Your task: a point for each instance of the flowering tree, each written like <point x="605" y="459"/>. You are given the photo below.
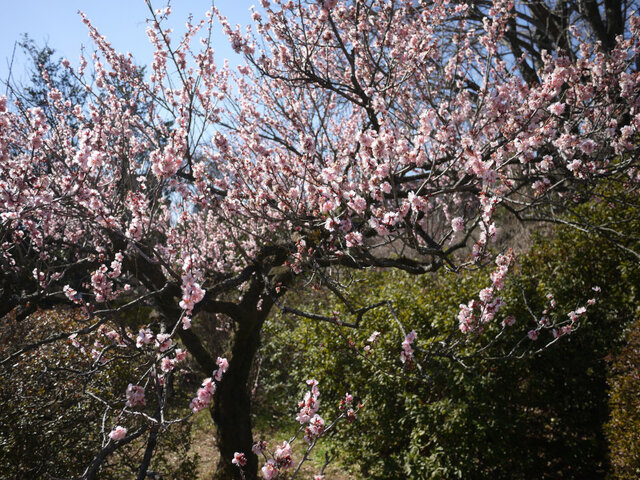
<point x="357" y="134"/>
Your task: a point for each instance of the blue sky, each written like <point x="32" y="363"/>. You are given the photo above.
<point x="122" y="22"/>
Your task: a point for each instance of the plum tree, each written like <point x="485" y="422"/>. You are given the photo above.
<point x="387" y="134"/>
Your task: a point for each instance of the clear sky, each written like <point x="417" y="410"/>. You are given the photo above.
<point x="57" y="24"/>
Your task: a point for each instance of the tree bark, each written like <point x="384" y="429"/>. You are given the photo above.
<point x="231" y="410"/>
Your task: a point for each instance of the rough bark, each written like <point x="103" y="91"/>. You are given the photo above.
<point x="231" y="410"/>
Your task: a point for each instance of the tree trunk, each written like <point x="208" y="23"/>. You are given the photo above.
<point x="231" y="410"/>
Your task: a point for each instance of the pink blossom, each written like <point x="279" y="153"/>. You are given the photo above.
<point x="330" y="224"/>
<point x="466" y="317"/>
<point x="314" y="429"/>
<point x="203" y="395"/>
<point x="259" y="447"/>
<point x="144" y="337"/>
<point x="407" y="352"/>
<point x="166" y="365"/>
<point x="101" y="285"/>
<point x="135" y="395"/>
<point x="358" y="204"/>
<point x="181" y="355"/>
<point x="373" y="338"/>
<point x="283" y="456"/>
<point x="239" y="459"/>
<point x="163" y="342"/>
<point x="533" y="335"/>
<point x="588" y="146"/>
<point x="223" y="365"/>
<point x="457" y="224"/>
<point x="118" y="433"/>
<point x="270" y="470"/>
<point x="192" y="292"/>
<point x="353" y="239"/>
<point x="486" y="294"/>
<point x="310" y="404"/>
<point x="557" y="108"/>
<point x="70" y="293"/>
<point x="574" y="165"/>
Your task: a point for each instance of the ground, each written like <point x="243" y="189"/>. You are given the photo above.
<point x="203" y="445"/>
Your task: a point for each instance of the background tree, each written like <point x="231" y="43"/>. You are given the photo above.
<point x="358" y="134"/>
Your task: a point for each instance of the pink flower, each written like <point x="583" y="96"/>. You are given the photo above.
<point x="353" y="239"/>
<point x="533" y="335"/>
<point x="373" y="338"/>
<point x="192" y="292"/>
<point x="575" y="165"/>
<point x="259" y="447"/>
<point x="135" y="395"/>
<point x="118" y="433"/>
<point x="315" y="428"/>
<point x="283" y="456"/>
<point x="166" y="365"/>
<point x="557" y="108"/>
<point x="203" y="395"/>
<point x="486" y="294"/>
<point x="588" y="146"/>
<point x="181" y="355"/>
<point x="163" y="342"/>
<point x="407" y="352"/>
<point x="308" y="407"/>
<point x="223" y="365"/>
<point x="239" y="459"/>
<point x="457" y="224"/>
<point x="144" y="337"/>
<point x="270" y="470"/>
<point x="70" y="293"/>
<point x="358" y="204"/>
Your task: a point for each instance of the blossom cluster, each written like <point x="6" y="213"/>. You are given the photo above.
<point x="135" y="396"/>
<point x="406" y="356"/>
<point x="208" y="388"/>
<point x="477" y="312"/>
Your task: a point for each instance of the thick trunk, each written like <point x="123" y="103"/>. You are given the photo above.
<point x="231" y="411"/>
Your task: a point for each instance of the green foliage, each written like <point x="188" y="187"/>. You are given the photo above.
<point x="50" y="425"/>
<point x="539" y="416"/>
<point x="623" y="428"/>
<point x="47" y="427"/>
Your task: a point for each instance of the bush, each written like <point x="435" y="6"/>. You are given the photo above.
<point x="50" y="427"/>
<point x="623" y="428"/>
<point x="540" y="416"/>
